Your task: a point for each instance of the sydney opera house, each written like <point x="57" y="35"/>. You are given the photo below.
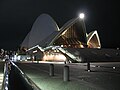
<point x="47" y="41"/>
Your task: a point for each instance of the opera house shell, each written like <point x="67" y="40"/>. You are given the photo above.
<point x="46" y="35"/>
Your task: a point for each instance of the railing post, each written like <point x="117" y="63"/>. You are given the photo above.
<point x="66" y="73"/>
<point x="88" y="66"/>
<point x="51" y="70"/>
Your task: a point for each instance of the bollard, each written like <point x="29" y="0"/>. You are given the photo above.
<point x="66" y="73"/>
<point x="37" y="61"/>
<point x="32" y="59"/>
<point x="88" y="66"/>
<point x="51" y="70"/>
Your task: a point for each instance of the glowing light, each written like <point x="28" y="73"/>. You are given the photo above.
<point x="61" y="45"/>
<point x="88" y="70"/>
<point x="18" y="57"/>
<point x="114" y="67"/>
<point x="81" y="15"/>
<point x="6" y="88"/>
<point x="81" y="46"/>
<point x="54" y="57"/>
<point x="35" y="51"/>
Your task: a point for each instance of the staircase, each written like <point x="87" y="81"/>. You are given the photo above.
<point x="73" y="57"/>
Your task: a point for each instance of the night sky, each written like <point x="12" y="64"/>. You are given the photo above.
<point x="18" y="16"/>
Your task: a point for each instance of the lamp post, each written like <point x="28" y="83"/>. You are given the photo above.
<point x="82" y="17"/>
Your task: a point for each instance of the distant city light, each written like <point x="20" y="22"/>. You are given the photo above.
<point x="113" y="67"/>
<point x="61" y="45"/>
<point x="81" y="15"/>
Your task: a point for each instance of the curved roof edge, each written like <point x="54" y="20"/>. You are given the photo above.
<point x="25" y="41"/>
<point x="65" y="26"/>
<point x="91" y="34"/>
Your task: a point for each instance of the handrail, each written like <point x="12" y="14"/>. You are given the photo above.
<point x="26" y="78"/>
<point x="5" y="84"/>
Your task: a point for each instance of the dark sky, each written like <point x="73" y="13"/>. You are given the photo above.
<point x="18" y="16"/>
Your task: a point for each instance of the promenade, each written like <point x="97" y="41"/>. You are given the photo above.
<point x="103" y="76"/>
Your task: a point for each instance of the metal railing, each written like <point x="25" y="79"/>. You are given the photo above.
<point x="26" y="78"/>
<point x="5" y="84"/>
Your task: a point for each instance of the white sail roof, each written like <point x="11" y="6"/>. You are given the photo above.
<point x="41" y="29"/>
<point x="26" y="41"/>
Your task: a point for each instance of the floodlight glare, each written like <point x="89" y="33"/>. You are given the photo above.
<point x="81" y="15"/>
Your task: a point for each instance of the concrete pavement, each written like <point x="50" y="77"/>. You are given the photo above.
<point x="103" y="76"/>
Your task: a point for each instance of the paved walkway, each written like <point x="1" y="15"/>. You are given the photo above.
<point x="42" y="79"/>
<point x="103" y="77"/>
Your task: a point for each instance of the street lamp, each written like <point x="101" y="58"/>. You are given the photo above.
<point x="81" y="15"/>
